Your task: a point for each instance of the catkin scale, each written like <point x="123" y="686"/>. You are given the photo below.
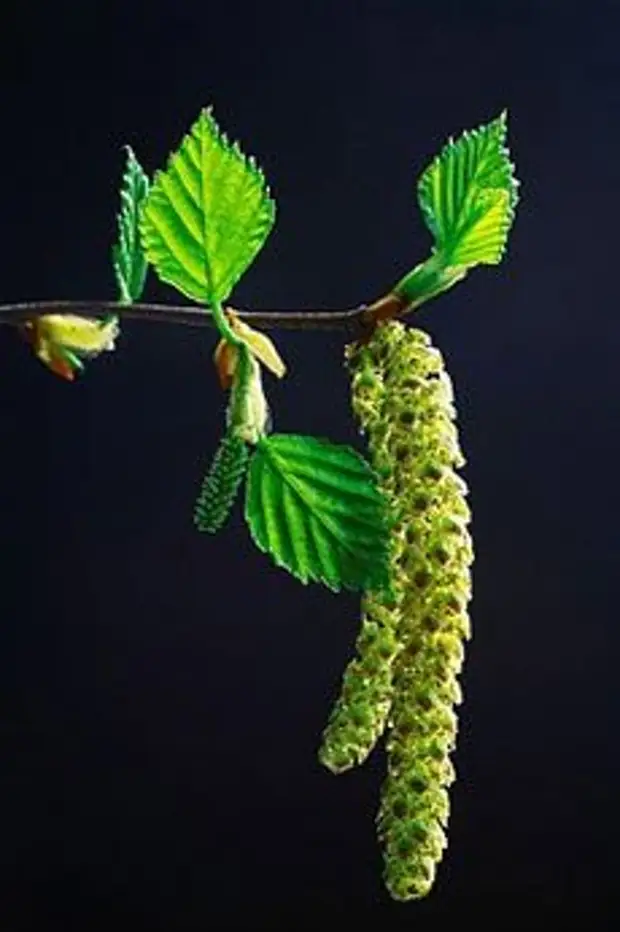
<point x="404" y="402"/>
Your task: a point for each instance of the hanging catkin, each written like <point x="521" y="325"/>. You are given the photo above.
<point x="358" y="717"/>
<point x="221" y="484"/>
<point x="403" y="398"/>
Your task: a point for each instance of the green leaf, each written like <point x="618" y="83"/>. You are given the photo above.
<point x="468" y="195"/>
<point x="207" y="216"/>
<point x="130" y="265"/>
<point x="315" y="507"/>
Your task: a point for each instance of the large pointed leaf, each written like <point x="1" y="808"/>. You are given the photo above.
<point x="207" y="216"/>
<point x="468" y="195"/>
<point x="130" y="265"/>
<point x="314" y="506"/>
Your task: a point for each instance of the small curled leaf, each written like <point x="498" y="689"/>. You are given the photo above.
<point x="130" y="265"/>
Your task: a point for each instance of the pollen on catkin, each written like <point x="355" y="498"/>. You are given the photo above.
<point x="221" y="484"/>
<point x="413" y="444"/>
<point x="359" y="715"/>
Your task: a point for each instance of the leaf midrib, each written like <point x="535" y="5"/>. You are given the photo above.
<point x="320" y="517"/>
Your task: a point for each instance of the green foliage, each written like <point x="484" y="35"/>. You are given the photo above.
<point x="468" y="195"/>
<point x="314" y="506"/>
<point x="130" y="265"/>
<point x="220" y="486"/>
<point x="207" y="216"/>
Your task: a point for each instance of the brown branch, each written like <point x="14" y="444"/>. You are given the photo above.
<point x="356" y="323"/>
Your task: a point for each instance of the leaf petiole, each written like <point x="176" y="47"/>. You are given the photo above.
<point x="428" y="279"/>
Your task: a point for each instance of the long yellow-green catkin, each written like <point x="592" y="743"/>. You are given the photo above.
<point x="359" y="715"/>
<point x="413" y="442"/>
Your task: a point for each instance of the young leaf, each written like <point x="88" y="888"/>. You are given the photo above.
<point x="130" y="265"/>
<point x="468" y="195"/>
<point x="315" y="507"/>
<point x="207" y="216"/>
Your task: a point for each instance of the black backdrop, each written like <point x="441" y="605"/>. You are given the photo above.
<point x="163" y="693"/>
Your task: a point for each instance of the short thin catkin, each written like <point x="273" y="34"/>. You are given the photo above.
<point x="221" y="484"/>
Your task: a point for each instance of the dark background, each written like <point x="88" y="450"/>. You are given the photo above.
<point x="162" y="693"/>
